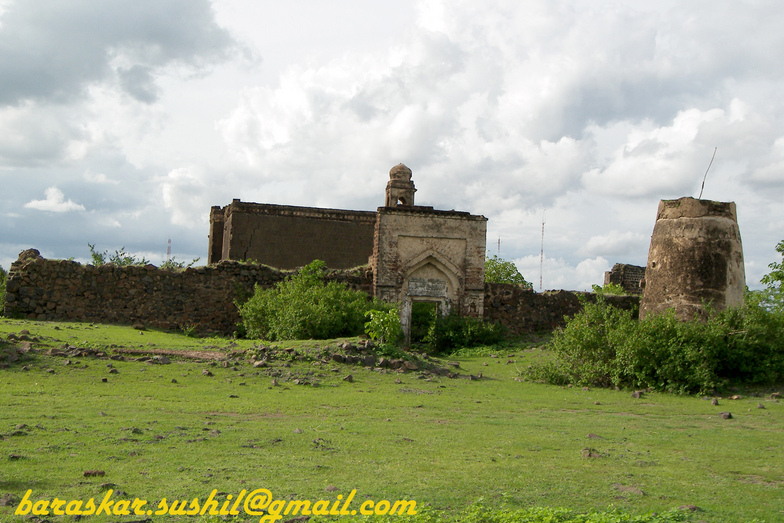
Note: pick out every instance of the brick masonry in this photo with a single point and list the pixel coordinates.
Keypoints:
(288, 237)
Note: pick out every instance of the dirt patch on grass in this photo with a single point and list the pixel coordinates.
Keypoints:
(186, 354)
(759, 480)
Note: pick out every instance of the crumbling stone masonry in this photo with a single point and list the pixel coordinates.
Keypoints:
(203, 297)
(521, 310)
(696, 257)
(199, 297)
(629, 277)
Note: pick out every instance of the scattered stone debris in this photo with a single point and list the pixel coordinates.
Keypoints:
(590, 453)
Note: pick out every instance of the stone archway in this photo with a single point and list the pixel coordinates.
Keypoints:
(428, 278)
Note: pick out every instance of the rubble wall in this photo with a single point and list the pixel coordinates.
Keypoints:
(203, 297)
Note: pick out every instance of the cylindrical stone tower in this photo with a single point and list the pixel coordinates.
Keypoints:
(695, 258)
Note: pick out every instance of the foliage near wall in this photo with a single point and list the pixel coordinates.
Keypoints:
(305, 306)
(606, 347)
(200, 298)
(3, 276)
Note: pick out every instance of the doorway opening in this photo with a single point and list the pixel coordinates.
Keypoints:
(423, 318)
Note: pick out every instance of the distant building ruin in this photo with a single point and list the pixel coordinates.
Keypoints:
(287, 236)
(629, 277)
(695, 259)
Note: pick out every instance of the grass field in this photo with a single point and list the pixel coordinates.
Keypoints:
(169, 430)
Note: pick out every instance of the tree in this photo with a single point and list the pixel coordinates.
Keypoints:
(775, 280)
(498, 270)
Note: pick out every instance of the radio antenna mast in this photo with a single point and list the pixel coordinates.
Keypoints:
(706, 173)
(541, 254)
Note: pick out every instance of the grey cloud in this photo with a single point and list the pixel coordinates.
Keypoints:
(139, 83)
(52, 50)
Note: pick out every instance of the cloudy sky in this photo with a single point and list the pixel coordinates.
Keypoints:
(123, 121)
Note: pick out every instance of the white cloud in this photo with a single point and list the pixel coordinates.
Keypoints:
(54, 202)
(558, 273)
(615, 243)
(185, 197)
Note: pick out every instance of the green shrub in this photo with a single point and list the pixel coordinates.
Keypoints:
(303, 306)
(605, 346)
(449, 333)
(609, 288)
(172, 263)
(3, 278)
(384, 326)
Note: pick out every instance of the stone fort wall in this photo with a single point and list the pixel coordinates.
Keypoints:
(629, 277)
(288, 237)
(203, 297)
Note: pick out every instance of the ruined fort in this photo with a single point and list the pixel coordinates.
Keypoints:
(402, 253)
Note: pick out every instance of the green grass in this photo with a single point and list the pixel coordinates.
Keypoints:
(445, 443)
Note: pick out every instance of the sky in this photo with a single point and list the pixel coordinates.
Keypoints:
(123, 121)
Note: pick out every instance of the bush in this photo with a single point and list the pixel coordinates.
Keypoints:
(384, 326)
(3, 278)
(604, 346)
(609, 288)
(454, 331)
(303, 306)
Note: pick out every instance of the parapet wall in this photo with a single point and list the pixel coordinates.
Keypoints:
(523, 311)
(203, 297)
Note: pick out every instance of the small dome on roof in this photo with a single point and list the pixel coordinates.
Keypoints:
(400, 172)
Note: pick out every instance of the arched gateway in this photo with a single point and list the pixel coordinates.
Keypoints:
(425, 255)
